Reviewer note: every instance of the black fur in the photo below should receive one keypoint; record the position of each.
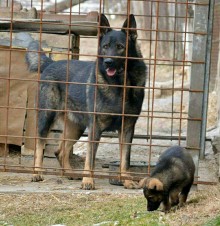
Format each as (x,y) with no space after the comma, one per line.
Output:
(169,158)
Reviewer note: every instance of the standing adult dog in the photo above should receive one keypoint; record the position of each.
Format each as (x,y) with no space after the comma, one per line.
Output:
(96,107)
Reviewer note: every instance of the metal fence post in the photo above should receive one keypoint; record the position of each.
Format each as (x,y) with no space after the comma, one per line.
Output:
(207,78)
(197,81)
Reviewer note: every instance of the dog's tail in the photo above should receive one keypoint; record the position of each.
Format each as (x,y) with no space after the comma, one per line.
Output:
(33,57)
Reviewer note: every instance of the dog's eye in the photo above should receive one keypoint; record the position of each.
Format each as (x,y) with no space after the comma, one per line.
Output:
(120,46)
(106,46)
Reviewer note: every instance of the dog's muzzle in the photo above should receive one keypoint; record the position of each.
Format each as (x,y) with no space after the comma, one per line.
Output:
(109,64)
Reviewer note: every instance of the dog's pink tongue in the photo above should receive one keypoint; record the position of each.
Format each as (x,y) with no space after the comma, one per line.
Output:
(111,71)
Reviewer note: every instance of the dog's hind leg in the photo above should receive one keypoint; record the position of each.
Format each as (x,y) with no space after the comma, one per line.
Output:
(45,120)
(48,99)
(72,133)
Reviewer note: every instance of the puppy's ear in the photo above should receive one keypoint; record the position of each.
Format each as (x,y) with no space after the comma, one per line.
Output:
(130,23)
(105,26)
(143,182)
(155,184)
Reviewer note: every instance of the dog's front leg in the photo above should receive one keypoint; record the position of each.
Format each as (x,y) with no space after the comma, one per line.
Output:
(125,140)
(93,138)
(166,203)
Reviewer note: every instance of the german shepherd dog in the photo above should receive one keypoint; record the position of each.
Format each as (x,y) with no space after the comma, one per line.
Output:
(170,181)
(98,102)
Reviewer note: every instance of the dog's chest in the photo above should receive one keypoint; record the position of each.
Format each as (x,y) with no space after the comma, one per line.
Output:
(111,112)
(114,101)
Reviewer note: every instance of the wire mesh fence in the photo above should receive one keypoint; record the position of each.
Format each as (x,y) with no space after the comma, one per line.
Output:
(172,43)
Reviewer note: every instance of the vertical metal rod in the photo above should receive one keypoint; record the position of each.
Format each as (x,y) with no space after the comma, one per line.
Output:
(206,80)
(149,67)
(121,140)
(184,59)
(157,11)
(8,88)
(173,65)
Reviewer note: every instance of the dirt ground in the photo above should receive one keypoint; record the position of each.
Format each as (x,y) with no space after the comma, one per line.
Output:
(18,194)
(17,190)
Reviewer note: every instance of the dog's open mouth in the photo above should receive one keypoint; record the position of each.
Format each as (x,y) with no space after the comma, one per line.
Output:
(111,71)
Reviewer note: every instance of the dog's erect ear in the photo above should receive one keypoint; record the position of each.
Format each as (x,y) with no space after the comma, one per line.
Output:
(106,26)
(130,23)
(155,184)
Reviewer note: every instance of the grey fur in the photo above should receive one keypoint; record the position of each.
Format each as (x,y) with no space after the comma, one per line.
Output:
(34,53)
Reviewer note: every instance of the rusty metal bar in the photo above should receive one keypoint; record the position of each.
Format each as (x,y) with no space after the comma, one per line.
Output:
(135,177)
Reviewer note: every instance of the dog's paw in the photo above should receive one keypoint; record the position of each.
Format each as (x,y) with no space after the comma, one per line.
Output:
(88,183)
(130,184)
(37,178)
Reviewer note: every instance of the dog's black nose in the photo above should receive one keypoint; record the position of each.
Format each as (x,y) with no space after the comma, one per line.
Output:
(108,62)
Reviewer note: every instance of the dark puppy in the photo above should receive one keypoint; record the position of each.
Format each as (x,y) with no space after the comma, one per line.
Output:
(170,181)
(93,97)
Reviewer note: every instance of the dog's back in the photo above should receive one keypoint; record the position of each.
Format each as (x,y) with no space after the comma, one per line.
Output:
(52,94)
(175,161)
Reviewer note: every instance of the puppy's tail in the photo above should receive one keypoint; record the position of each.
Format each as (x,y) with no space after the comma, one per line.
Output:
(34,54)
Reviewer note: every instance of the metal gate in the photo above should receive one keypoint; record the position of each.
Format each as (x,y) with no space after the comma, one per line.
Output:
(175,40)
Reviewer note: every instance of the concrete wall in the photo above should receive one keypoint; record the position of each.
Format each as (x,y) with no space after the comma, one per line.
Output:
(215,48)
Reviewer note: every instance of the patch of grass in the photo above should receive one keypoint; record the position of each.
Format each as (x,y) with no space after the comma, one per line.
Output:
(84,210)
(213,222)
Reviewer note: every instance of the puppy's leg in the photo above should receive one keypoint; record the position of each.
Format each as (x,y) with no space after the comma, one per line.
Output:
(166,204)
(94,137)
(38,160)
(72,133)
(125,140)
(184,194)
(174,197)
